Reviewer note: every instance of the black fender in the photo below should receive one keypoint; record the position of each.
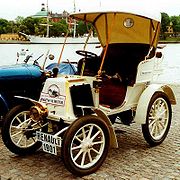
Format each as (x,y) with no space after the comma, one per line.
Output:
(8,102)
(4,105)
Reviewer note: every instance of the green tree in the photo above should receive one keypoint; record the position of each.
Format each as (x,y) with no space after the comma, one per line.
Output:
(81,28)
(19,19)
(58,28)
(40,27)
(176,24)
(3,26)
(165,21)
(29,25)
(11,27)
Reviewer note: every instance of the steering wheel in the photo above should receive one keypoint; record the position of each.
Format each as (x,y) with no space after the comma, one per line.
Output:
(86,54)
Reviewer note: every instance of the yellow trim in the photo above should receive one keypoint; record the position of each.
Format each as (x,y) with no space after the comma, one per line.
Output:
(76,80)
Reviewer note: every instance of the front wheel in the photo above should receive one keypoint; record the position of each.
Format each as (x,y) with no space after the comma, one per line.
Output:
(85,145)
(158,119)
(18,131)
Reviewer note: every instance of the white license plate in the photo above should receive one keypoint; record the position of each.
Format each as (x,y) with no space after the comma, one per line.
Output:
(49,142)
(49,148)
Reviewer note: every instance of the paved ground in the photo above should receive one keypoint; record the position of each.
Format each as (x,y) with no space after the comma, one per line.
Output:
(134,159)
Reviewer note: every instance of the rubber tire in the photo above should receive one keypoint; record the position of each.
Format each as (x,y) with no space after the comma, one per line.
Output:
(6,135)
(145,127)
(68,137)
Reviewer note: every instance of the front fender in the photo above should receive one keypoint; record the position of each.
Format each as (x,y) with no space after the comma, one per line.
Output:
(32,101)
(113,138)
(143,103)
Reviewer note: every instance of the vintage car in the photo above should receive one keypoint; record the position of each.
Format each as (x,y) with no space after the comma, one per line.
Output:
(19,79)
(77,113)
(26,78)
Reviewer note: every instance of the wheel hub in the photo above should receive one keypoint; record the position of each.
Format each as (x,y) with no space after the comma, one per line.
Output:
(86,144)
(158,116)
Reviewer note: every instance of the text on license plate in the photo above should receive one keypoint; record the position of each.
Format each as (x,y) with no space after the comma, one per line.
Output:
(49,142)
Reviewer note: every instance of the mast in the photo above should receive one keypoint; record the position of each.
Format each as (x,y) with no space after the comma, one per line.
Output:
(47,35)
(74,32)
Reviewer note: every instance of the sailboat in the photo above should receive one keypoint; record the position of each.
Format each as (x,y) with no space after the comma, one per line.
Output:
(56,40)
(60,40)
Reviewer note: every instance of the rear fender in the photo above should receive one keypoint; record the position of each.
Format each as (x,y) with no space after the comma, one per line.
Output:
(113,139)
(143,103)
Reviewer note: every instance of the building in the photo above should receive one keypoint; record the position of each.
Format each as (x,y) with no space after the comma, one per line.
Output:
(170,28)
(55,17)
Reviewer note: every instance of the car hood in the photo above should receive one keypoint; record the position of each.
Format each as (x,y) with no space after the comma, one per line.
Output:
(19,72)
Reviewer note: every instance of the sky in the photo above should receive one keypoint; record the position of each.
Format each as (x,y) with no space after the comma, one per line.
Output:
(10,9)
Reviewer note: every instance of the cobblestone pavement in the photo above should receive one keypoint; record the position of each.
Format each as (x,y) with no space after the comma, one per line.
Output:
(134,159)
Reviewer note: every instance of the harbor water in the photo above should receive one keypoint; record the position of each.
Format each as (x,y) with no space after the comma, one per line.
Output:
(8,52)
(8,55)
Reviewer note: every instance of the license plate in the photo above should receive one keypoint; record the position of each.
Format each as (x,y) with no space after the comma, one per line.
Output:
(49,142)
(49,148)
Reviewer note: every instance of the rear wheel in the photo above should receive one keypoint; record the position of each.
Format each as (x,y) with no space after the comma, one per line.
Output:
(18,131)
(85,145)
(158,119)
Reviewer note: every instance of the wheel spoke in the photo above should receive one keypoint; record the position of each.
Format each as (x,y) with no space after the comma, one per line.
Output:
(163,113)
(90,131)
(78,154)
(161,124)
(13,135)
(152,122)
(15,127)
(97,142)
(151,118)
(83,133)
(159,104)
(97,152)
(24,123)
(152,112)
(95,135)
(19,120)
(83,158)
(25,116)
(158,132)
(35,124)
(20,139)
(153,129)
(76,147)
(77,138)
(89,155)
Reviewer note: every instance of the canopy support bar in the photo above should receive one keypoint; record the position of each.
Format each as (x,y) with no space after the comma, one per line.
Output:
(108,35)
(84,63)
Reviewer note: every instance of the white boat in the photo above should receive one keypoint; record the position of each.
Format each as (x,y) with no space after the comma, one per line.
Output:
(57,40)
(60,40)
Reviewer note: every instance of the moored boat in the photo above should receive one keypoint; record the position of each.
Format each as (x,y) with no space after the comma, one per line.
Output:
(60,40)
